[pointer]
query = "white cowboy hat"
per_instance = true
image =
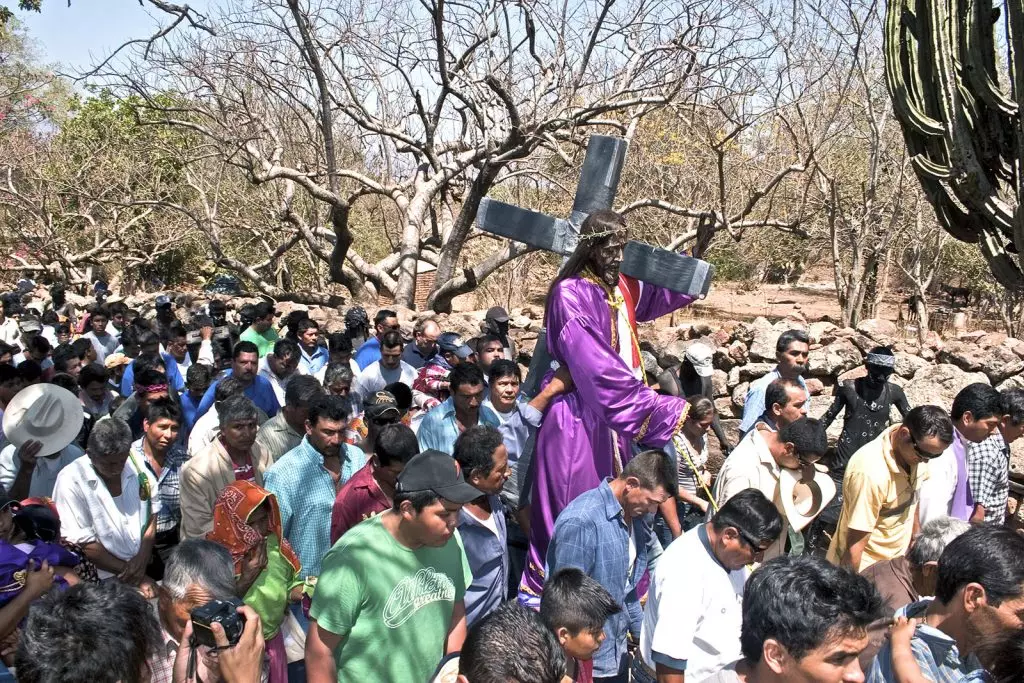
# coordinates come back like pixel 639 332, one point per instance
pixel 802 501
pixel 44 413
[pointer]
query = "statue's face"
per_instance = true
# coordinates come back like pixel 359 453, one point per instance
pixel 606 259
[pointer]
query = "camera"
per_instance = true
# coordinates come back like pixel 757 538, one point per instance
pixel 217 611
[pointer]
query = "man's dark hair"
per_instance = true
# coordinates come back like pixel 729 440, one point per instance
pixel 130 336
pixel 301 391
pixel 928 420
pixel 286 349
pixel 988 555
pixel 653 469
pixel 502 368
pixel 750 513
pixel 62 355
pixel 465 373
pixel 391 339
pixel 1011 404
pixel 13 350
pixel 93 372
pixel 95 632
pixel 9 373
pixel 147 337
pixel 574 601
pixel 306 324
pixel 339 342
pixel 40 343
pixel 262 310
pixel 148 362
pixel 804 602
pixel 81 347
pixel 777 392
pixel 65 381
pixel 484 339
pixel 164 409
pixel 100 312
pixel 30 370
pixel 807 436
pixel 788 337
pixel 980 399
pixel 333 408
pixel 198 375
pixel 474 450
pixel 512 645
pixel 419 499
pixel 226 388
pixel 117 308
pixel 173 331
pixel 148 377
pixel 382 315
pixel 244 347
pixel 395 443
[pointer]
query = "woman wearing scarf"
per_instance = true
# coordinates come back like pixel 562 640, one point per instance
pixel 247 522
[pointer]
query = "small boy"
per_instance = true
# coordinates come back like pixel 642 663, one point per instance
pixel 575 607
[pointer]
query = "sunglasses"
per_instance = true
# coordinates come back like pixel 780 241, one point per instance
pixel 754 545
pixel 924 455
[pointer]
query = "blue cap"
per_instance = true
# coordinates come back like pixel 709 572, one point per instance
pixel 451 342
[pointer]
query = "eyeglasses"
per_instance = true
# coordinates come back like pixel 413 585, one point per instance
pixel 924 455
pixel 754 545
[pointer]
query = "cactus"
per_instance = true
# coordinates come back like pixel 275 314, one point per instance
pixel 963 129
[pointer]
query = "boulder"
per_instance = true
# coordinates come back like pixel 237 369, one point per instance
pixel 837 357
pixel 880 330
pixel 701 329
pixel 1011 383
pixel 722 360
pixel 818 407
pixel 673 353
pixel 939 384
pixel 523 322
pixel 908 364
pixel 752 371
pixel 997 362
pixel 720 383
pixel 762 347
pixel 725 408
pixel 815 387
pixel 821 332
pixel 993 339
pixel 739 396
pixel 734 377
pixel 864 343
pixel 744 332
pixel 720 337
pixel 738 352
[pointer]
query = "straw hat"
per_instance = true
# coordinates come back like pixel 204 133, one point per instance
pixel 44 413
pixel 802 501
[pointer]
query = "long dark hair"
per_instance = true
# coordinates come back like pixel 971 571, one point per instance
pixel 597 229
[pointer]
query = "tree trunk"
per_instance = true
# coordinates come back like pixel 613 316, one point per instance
pixel 452 249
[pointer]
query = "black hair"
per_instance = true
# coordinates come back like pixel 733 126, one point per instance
pixel 391 339
pixel 198 375
pixel 402 393
pixel 339 342
pixel 81 347
pixel 30 370
pixel 395 443
pixel 91 632
pixel 61 356
pixel 117 308
pixel 149 362
pixel 881 351
pixel 40 343
pixel 65 381
pixel 653 469
pixel 1003 655
pixel 1011 404
pixel 777 392
pixel 807 436
pixel 988 555
pixel 147 337
pixel 306 324
pixel 980 399
pixel 244 347
pixel 804 602
pixel 465 373
pixel 489 337
pixel 164 409
pixel 929 420
pixel 574 601
pixel 512 645
pixel 13 350
pixel 502 368
pixel 262 310
pixel 286 349
pixel 174 331
pixel 788 337
pixel 227 388
pixel 328 407
pixel 301 391
pixel 147 377
pixel 419 499
pixel 474 450
pixel 382 315
pixel 750 513
pixel 93 372
pixel 50 317
pixel 100 312
pixel 9 373
pixel 292 320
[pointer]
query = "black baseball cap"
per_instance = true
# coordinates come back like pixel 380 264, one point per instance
pixel 497 314
pixel 379 404
pixel 437 472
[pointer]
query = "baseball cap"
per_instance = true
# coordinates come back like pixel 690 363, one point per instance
pixel 699 356
pixel 30 324
pixel 380 404
pixel 163 300
pixel 6 501
pixel 497 314
pixel 435 471
pixel 452 343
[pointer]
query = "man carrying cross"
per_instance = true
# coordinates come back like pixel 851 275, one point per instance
pixel 591 315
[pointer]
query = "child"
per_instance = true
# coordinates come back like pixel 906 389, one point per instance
pixel 575 607
pixel 247 521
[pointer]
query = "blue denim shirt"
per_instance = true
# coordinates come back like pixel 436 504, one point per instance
pixel 591 535
pixel 487 554
pixel 753 404
pixel 439 429
pixel 936 653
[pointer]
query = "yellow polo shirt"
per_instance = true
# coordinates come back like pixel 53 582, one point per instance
pixel 878 497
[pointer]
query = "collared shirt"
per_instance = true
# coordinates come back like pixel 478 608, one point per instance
pixel 440 429
pixel 44 475
pixel 279 384
pixel 937 655
pixel 375 377
pixel 277 437
pixel 168 483
pixel 161 661
pixel 753 405
pixel 311 362
pixel 368 352
pixel 305 493
pixel 946 492
pixel 591 535
pixel 10 333
pixel 694 612
pixel 988 469
pixel 412 355
pixel 90 514
pixel 751 465
pixel 361 497
pixel 486 546
pixel 259 392
pixel 880 498
pixel 517 427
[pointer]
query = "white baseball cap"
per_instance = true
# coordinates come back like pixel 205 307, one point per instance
pixel 700 356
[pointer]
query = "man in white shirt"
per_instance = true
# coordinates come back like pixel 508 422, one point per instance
pixel 280 365
pixel 102 340
pixel 390 368
pixel 10 334
pixel 694 612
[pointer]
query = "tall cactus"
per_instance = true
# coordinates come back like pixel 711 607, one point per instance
pixel 962 128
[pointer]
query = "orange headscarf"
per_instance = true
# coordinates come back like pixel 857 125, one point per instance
pixel 231 522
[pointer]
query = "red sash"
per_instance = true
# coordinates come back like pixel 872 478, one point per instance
pixel 630 289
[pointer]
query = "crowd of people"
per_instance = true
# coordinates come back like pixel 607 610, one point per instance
pixel 362 506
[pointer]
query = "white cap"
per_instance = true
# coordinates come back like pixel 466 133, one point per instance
pixel 699 356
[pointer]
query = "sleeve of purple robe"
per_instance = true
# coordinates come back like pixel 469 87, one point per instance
pixel 657 301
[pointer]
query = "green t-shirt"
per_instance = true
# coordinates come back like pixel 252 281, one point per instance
pixel 392 606
pixel 264 342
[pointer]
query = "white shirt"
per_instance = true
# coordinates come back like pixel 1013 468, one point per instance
pixel 279 384
pixel 89 514
pixel 21 358
pixel 44 475
pixel 10 333
pixel 204 431
pixel 694 609
pixel 936 496
pixel 375 377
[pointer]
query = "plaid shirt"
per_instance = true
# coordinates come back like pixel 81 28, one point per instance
pixel 936 654
pixel 168 483
pixel 988 471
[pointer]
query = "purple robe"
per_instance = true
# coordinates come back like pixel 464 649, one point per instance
pixel 585 429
